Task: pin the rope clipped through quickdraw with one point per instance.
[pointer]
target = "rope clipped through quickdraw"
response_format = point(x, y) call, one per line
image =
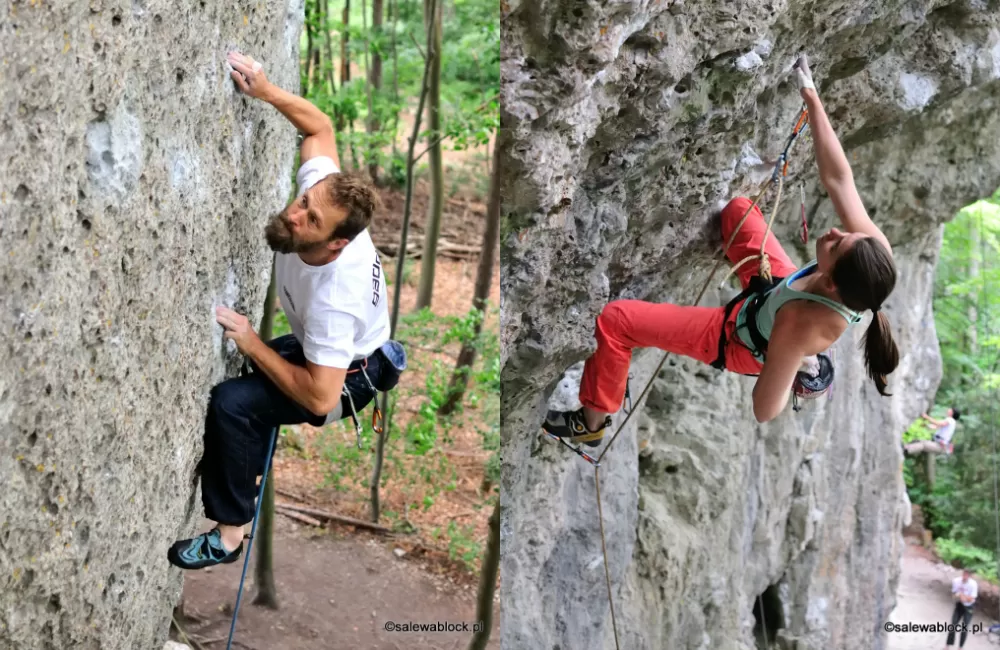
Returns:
point(802, 204)
point(780, 171)
point(580, 452)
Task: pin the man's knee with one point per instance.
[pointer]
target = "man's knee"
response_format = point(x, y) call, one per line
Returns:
point(227, 399)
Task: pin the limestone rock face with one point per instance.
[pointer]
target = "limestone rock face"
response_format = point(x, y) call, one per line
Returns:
point(624, 126)
point(135, 181)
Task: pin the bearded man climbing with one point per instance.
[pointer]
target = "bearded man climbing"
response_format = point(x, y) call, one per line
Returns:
point(776, 332)
point(329, 279)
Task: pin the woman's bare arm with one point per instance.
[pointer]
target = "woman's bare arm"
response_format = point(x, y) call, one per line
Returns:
point(834, 170)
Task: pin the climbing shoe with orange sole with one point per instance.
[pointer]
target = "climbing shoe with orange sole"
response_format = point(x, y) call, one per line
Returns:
point(571, 426)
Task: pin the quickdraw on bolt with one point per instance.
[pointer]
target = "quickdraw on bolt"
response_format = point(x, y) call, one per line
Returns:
point(802, 205)
point(587, 457)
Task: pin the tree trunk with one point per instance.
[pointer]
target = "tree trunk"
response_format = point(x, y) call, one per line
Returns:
point(318, 21)
point(345, 60)
point(375, 82)
point(484, 278)
point(309, 54)
point(488, 582)
point(370, 153)
point(408, 203)
point(377, 465)
point(267, 592)
point(433, 229)
point(327, 41)
point(394, 12)
point(400, 263)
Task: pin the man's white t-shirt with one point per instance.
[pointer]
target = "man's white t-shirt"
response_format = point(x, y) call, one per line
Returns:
point(945, 433)
point(967, 590)
point(338, 312)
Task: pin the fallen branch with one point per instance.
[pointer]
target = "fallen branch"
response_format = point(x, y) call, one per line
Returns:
point(293, 495)
point(291, 514)
point(214, 639)
point(414, 249)
point(184, 636)
point(478, 208)
point(235, 642)
point(329, 516)
point(478, 455)
point(445, 245)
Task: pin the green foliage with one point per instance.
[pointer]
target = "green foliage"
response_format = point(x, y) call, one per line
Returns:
point(960, 508)
point(348, 468)
point(462, 545)
point(977, 560)
point(280, 326)
point(470, 79)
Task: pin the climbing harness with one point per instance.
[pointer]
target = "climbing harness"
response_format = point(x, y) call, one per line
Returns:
point(394, 354)
point(764, 276)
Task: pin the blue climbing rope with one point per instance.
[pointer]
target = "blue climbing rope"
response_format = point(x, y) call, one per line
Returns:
point(253, 529)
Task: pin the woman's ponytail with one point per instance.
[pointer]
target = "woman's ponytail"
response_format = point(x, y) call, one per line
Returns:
point(881, 353)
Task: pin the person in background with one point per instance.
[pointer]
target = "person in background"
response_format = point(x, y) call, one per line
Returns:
point(941, 441)
point(964, 590)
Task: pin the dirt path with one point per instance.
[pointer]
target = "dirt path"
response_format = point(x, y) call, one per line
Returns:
point(336, 590)
point(924, 596)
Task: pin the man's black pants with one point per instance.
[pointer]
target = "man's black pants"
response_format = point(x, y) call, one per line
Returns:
point(242, 413)
point(964, 613)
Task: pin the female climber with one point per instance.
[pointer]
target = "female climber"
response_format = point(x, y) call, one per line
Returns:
point(793, 321)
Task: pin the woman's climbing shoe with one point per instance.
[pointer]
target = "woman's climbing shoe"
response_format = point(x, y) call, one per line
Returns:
point(572, 426)
point(202, 551)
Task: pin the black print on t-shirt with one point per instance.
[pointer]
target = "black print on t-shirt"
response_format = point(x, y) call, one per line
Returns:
point(376, 281)
point(289, 296)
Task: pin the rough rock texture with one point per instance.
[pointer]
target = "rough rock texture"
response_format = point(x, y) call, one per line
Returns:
point(624, 124)
point(135, 182)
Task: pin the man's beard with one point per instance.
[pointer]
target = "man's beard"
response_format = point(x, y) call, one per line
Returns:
point(281, 240)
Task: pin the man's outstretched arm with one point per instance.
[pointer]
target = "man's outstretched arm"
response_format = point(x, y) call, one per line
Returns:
point(937, 424)
point(319, 139)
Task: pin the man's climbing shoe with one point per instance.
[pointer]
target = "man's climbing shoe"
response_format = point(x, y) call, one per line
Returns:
point(202, 551)
point(572, 426)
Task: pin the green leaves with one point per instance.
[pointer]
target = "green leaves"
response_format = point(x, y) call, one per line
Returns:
point(959, 509)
